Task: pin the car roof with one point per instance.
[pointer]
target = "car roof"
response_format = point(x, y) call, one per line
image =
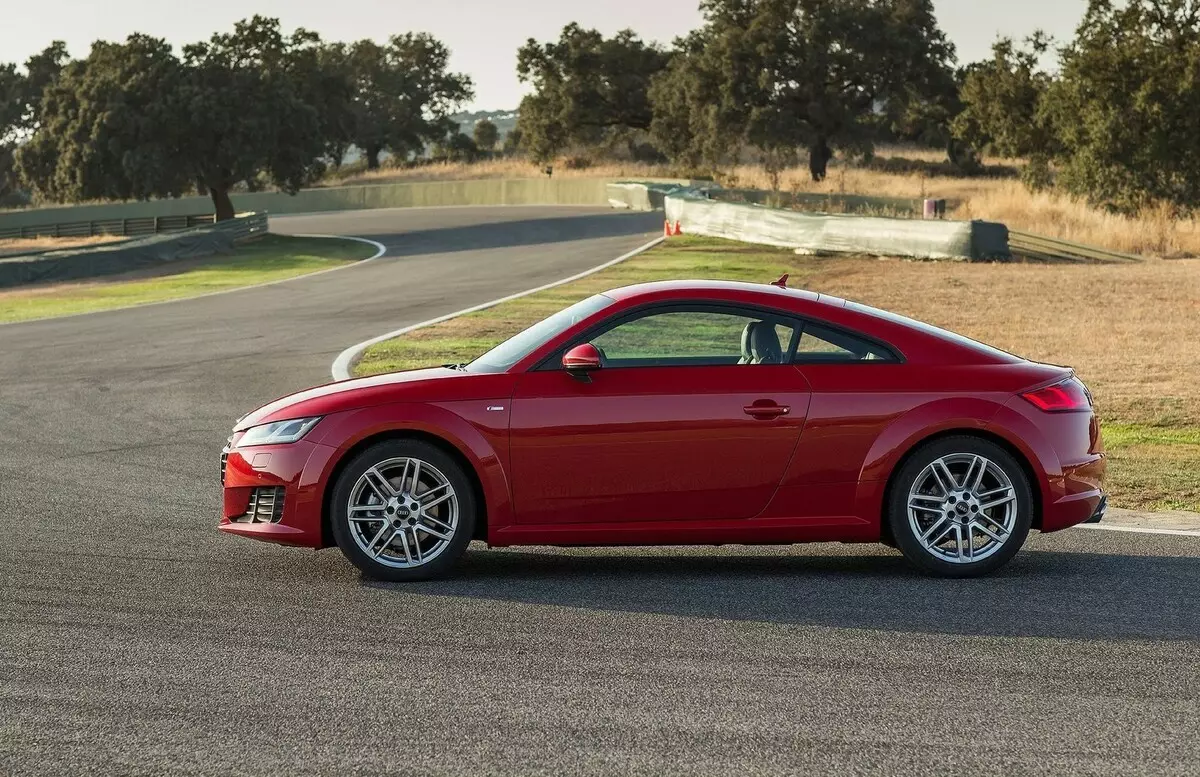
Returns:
point(703, 287)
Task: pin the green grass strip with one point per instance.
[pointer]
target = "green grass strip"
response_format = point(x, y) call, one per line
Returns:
point(270, 258)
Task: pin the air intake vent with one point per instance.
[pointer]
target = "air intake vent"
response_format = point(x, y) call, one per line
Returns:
point(266, 506)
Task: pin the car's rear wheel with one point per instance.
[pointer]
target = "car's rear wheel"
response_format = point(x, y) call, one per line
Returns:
point(960, 507)
point(403, 510)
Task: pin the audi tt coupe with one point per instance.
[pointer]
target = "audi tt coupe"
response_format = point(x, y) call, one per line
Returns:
point(680, 413)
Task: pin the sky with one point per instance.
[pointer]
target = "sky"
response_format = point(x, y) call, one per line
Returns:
point(483, 35)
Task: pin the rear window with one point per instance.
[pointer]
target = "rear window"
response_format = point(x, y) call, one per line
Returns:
point(936, 331)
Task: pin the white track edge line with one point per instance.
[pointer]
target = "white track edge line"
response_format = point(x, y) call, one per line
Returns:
point(380, 250)
point(345, 360)
point(1140, 530)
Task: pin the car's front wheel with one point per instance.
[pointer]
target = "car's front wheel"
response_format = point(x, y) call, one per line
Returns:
point(960, 507)
point(403, 510)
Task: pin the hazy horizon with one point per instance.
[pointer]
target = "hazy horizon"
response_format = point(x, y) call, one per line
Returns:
point(482, 40)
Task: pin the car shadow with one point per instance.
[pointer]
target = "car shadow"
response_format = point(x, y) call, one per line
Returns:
point(511, 234)
point(1084, 596)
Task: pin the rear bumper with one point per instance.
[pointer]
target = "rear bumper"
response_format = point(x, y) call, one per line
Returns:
point(298, 468)
point(1080, 496)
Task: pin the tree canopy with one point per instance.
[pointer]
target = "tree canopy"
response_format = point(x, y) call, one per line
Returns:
point(584, 87)
point(779, 75)
point(1002, 101)
point(486, 136)
point(764, 80)
point(1126, 109)
point(403, 95)
point(248, 108)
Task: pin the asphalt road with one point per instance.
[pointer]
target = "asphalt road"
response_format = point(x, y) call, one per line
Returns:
point(136, 639)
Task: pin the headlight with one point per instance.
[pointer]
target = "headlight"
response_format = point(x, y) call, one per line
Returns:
point(277, 432)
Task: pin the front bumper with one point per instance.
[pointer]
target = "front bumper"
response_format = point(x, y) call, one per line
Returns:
point(274, 492)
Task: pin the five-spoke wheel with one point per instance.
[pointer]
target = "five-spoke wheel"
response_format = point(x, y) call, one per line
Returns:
point(960, 506)
point(403, 510)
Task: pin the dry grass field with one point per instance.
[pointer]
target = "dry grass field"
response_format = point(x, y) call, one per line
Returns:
point(1132, 331)
point(1003, 199)
point(15, 246)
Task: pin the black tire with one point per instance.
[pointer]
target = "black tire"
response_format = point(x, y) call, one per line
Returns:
point(403, 449)
point(906, 537)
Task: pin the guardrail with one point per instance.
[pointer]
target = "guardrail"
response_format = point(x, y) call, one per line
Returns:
point(149, 250)
point(125, 227)
point(243, 227)
point(1051, 249)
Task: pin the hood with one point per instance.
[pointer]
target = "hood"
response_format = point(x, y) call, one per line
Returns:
point(436, 384)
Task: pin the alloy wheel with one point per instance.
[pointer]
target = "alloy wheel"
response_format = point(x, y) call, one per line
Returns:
point(403, 512)
point(962, 508)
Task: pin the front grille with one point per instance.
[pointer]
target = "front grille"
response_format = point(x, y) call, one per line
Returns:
point(224, 462)
point(266, 506)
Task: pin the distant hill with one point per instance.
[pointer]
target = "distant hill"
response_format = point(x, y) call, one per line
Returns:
point(505, 121)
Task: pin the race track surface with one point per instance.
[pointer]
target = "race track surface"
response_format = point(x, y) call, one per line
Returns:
point(136, 639)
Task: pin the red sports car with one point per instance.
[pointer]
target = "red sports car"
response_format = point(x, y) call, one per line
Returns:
point(680, 413)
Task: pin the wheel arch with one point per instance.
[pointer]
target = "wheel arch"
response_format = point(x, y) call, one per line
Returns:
point(983, 433)
point(403, 433)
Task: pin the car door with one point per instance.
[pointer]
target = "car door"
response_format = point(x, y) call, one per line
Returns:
point(688, 418)
point(855, 396)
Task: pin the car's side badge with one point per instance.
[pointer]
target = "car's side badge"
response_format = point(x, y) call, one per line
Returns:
point(495, 407)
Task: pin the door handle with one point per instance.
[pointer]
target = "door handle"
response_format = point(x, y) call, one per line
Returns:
point(766, 411)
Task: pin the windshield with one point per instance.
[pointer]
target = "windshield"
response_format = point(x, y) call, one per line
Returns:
point(519, 346)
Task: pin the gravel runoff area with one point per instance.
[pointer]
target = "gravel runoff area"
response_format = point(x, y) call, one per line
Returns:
point(135, 639)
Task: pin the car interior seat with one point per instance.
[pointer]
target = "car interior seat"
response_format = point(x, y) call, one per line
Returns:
point(760, 344)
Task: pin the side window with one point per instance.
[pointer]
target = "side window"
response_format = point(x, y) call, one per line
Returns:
point(695, 337)
point(818, 344)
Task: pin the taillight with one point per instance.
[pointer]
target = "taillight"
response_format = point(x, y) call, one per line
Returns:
point(1068, 396)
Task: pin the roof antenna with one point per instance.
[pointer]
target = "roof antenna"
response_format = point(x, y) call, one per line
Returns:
point(782, 282)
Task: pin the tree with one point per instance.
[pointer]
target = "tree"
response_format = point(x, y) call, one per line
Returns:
point(325, 80)
point(585, 85)
point(486, 136)
point(1002, 99)
point(11, 109)
point(40, 71)
point(512, 141)
point(783, 74)
point(245, 114)
point(20, 101)
point(403, 94)
point(106, 126)
point(456, 147)
point(134, 121)
point(1127, 108)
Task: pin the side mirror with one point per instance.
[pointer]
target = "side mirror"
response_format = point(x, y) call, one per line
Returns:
point(581, 360)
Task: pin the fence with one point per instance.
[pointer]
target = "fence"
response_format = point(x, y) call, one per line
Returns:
point(125, 227)
point(1050, 249)
point(132, 254)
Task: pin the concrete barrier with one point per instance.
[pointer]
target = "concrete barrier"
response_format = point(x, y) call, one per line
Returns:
point(531, 191)
point(817, 233)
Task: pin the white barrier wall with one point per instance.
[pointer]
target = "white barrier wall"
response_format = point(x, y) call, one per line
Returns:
point(818, 233)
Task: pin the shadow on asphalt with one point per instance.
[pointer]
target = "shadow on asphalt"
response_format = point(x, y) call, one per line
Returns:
point(1040, 594)
point(509, 234)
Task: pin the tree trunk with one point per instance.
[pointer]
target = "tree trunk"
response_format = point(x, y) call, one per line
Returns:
point(818, 159)
point(372, 154)
point(221, 203)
